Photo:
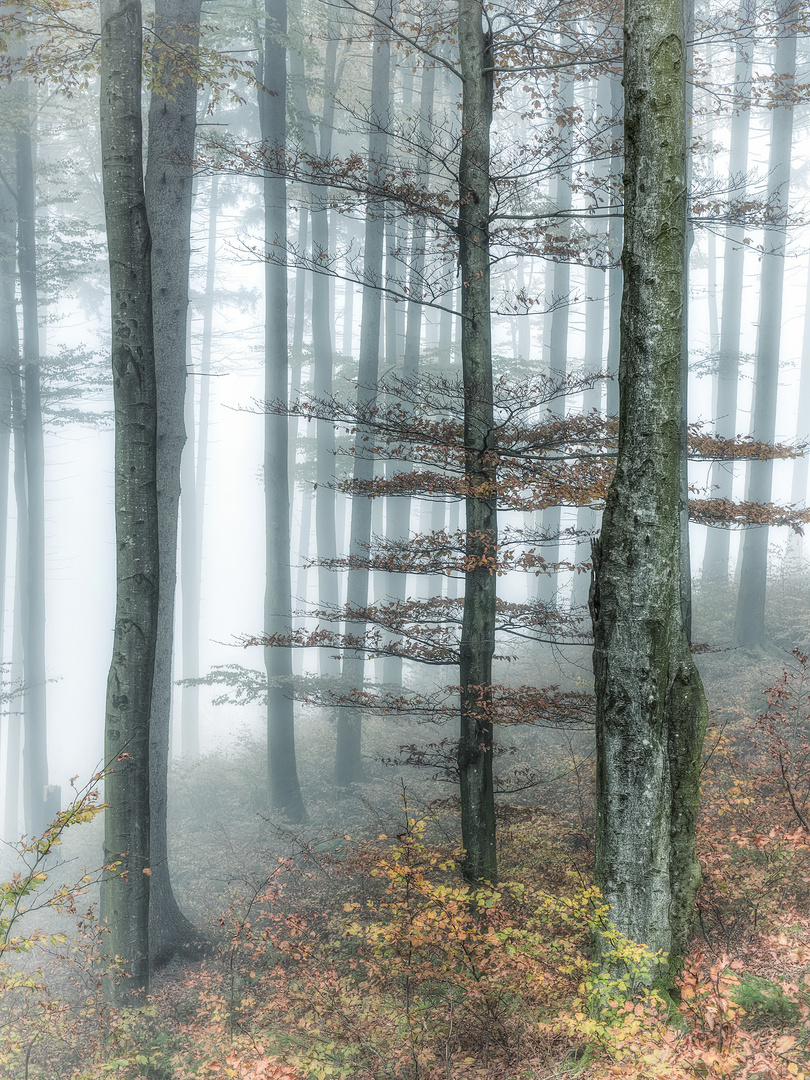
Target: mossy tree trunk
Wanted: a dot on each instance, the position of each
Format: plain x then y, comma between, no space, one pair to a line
651,710
129,686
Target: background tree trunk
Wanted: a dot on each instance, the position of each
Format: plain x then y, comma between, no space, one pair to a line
749,621
716,553
284,790
35,753
348,760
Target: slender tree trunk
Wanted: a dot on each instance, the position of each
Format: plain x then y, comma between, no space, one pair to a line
595,289
749,623
168,189
398,517
35,753
15,706
129,687
323,360
798,487
193,501
478,625
716,552
615,233
558,329
284,790
9,363
650,707
348,760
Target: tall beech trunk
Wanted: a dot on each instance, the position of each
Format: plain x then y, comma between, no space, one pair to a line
127,871
35,751
348,760
716,552
284,790
478,624
168,190
749,622
650,706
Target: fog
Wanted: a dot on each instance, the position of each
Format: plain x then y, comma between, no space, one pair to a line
556,201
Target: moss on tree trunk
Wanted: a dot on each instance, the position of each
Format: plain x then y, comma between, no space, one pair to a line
651,710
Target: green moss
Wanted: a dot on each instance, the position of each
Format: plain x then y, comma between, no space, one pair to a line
764,1001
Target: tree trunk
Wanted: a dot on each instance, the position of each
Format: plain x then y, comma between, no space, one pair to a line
398,517
35,752
348,761
595,288
615,233
193,483
478,625
558,330
129,687
650,707
749,623
798,486
284,790
15,706
9,363
716,552
168,188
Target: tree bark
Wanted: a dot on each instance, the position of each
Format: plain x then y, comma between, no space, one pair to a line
650,706
168,191
284,790
749,622
129,687
477,644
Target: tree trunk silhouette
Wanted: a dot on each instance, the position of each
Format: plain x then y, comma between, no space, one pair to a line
35,750
192,500
348,760
398,515
716,552
284,789
749,622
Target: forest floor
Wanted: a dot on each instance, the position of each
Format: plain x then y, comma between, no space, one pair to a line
347,947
